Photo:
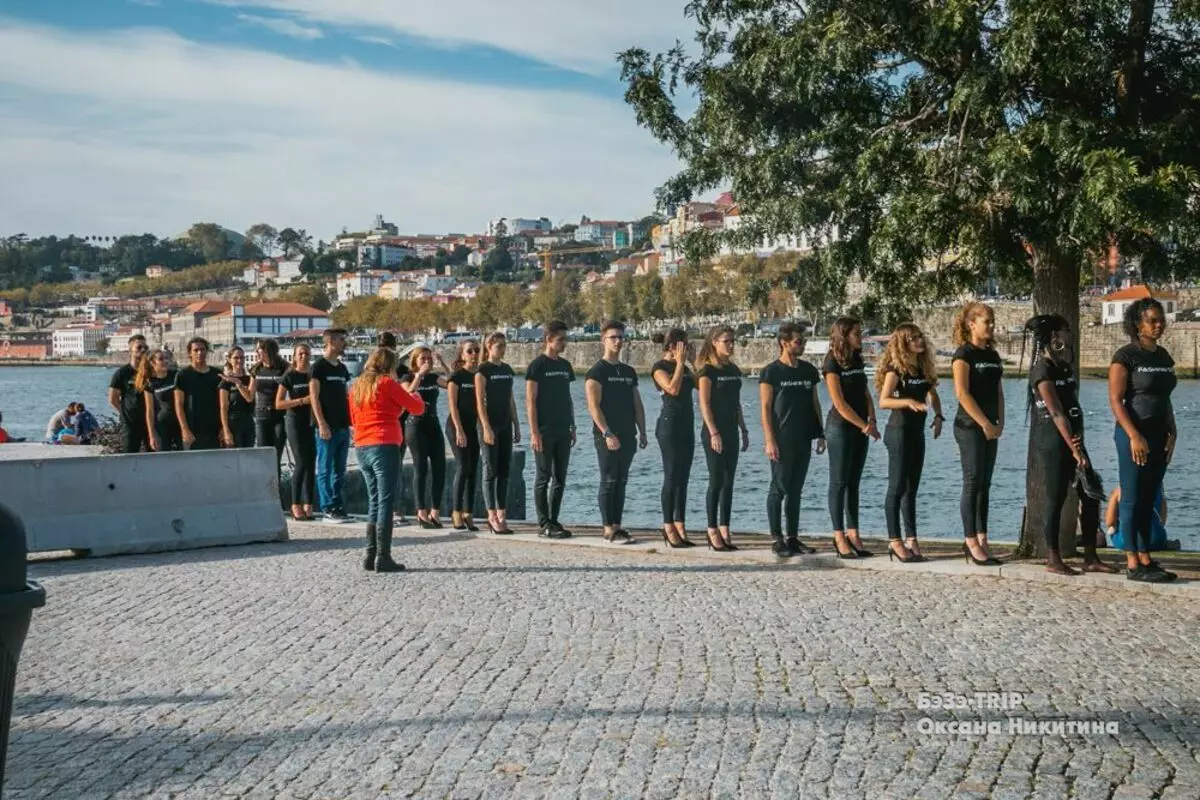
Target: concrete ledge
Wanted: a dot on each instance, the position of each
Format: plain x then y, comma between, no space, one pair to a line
756,552
149,502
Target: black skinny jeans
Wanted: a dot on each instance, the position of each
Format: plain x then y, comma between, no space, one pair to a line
303,448
271,432
552,463
978,455
906,460
614,476
1060,475
466,475
169,438
242,430
425,442
722,468
134,437
497,459
788,475
847,457
678,445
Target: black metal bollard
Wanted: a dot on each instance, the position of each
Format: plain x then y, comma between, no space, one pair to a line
18,598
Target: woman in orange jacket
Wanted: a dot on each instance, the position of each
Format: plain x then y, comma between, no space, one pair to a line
376,402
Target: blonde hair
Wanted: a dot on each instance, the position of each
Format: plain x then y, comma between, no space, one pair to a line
708,350
145,370
962,320
899,357
380,364
491,342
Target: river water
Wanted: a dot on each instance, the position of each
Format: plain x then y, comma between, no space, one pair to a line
30,395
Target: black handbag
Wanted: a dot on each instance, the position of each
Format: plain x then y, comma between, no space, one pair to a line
1089,481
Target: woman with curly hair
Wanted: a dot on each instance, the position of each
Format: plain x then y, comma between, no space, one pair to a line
1140,382
719,384
906,379
849,430
979,424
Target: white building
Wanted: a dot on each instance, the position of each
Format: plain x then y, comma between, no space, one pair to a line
432,284
401,290
360,284
77,341
516,225
95,306
382,255
289,271
1114,305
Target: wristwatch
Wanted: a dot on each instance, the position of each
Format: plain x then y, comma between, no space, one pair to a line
607,434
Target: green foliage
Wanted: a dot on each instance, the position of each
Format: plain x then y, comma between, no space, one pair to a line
925,146
556,298
25,261
311,295
210,239
207,276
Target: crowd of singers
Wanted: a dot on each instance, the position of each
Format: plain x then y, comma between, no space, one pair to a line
313,408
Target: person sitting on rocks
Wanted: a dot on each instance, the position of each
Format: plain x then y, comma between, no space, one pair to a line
1158,530
60,429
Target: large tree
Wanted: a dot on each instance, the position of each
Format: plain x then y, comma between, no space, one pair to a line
925,146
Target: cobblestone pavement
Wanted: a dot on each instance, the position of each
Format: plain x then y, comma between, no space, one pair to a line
510,670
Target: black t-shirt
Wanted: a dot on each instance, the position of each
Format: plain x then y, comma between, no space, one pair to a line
163,390
334,380
295,385
617,385
726,394
853,380
133,404
239,407
910,387
1150,383
498,392
428,391
983,380
201,400
553,377
677,410
464,379
266,381
1067,388
792,406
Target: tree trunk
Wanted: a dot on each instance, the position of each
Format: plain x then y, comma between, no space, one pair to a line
1055,291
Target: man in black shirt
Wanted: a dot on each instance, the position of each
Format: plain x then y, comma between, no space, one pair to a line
198,400
128,402
616,410
552,427
327,386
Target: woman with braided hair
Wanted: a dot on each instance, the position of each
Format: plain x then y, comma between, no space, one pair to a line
1056,441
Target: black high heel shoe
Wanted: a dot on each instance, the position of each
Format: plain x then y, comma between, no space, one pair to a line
909,559
721,548
471,526
858,551
985,562
670,544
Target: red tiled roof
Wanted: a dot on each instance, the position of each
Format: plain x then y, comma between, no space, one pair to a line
1139,292
208,307
279,310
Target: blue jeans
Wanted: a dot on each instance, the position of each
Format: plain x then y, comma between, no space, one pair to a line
1140,487
331,468
380,466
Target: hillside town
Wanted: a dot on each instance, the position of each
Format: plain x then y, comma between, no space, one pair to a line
265,296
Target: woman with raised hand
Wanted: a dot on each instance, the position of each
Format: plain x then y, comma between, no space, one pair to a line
675,430
156,381
265,375
979,423
1140,382
462,432
1056,441
906,378
719,381
849,430
293,398
423,432
376,401
791,421
237,401
499,429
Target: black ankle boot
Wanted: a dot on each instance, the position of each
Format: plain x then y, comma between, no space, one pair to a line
383,556
369,556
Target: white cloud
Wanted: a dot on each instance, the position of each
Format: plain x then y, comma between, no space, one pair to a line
583,35
145,131
381,40
283,26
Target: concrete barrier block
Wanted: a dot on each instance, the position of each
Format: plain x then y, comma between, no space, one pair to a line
148,502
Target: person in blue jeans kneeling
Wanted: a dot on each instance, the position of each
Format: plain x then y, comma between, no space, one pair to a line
327,386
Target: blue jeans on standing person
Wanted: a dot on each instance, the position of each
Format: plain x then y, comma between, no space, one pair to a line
331,468
1140,487
380,467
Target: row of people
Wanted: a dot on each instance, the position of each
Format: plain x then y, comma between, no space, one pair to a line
482,425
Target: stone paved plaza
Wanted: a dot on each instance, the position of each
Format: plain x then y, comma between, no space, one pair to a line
502,669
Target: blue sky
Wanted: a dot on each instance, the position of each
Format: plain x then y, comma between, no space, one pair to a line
124,116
